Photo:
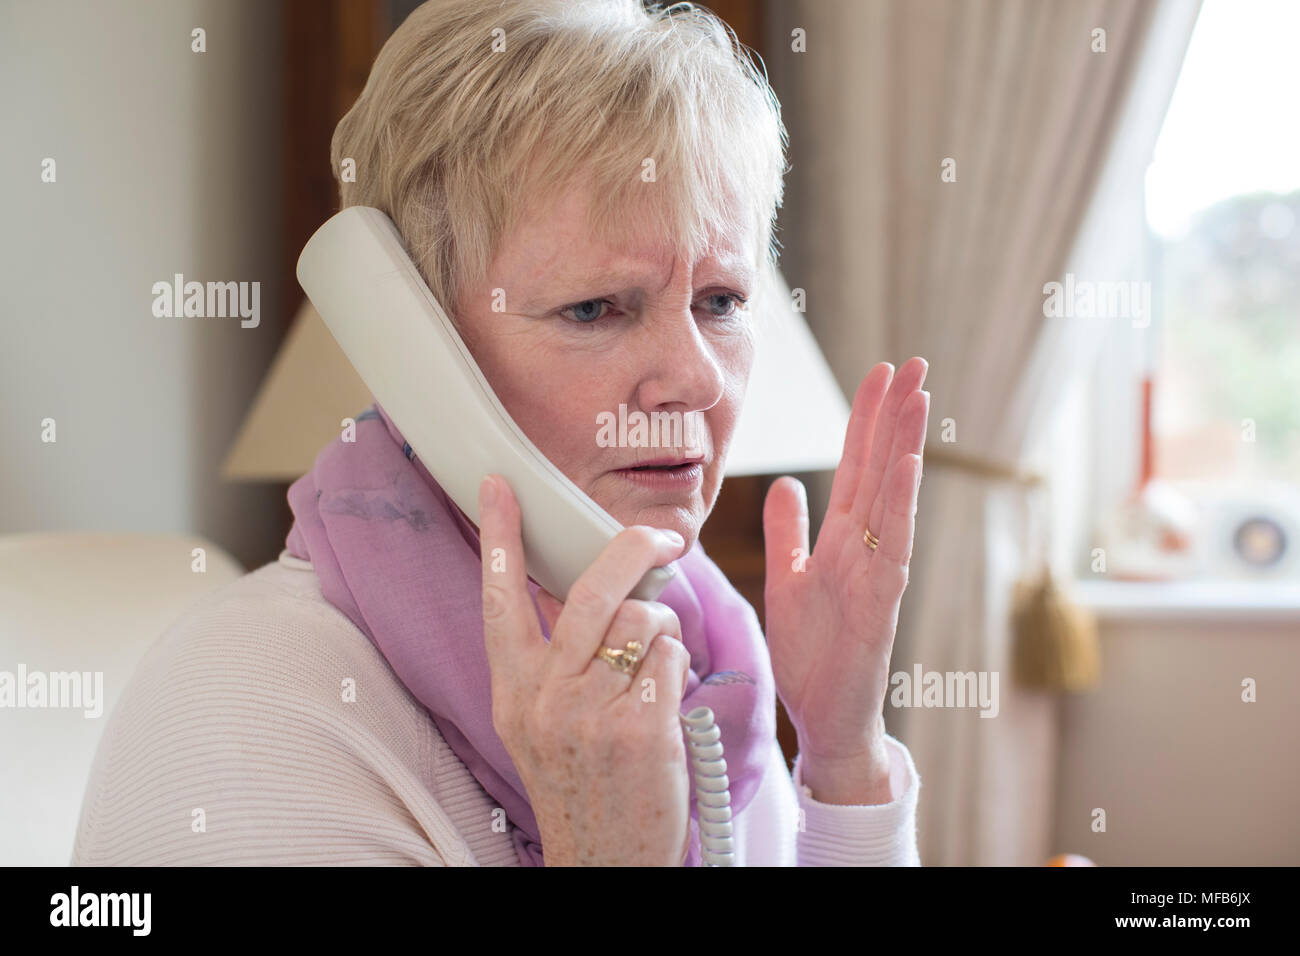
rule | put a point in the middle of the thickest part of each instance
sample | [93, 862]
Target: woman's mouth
[683, 475]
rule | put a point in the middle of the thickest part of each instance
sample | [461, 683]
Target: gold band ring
[625, 661]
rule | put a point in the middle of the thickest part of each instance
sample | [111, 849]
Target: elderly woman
[591, 189]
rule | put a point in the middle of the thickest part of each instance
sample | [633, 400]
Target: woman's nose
[681, 366]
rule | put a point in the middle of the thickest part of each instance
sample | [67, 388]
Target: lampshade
[793, 418]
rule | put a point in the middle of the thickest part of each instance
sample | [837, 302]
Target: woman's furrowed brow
[556, 286]
[609, 281]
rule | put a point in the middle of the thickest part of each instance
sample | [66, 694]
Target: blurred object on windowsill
[1153, 536]
[1244, 531]
[1252, 529]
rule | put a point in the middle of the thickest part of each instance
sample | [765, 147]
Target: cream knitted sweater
[264, 728]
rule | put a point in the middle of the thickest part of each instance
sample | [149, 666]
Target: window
[1223, 357]
[1200, 407]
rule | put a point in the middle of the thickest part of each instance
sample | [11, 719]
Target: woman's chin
[683, 511]
[667, 517]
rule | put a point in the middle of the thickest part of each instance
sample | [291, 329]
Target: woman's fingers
[857, 438]
[595, 597]
[510, 629]
[667, 665]
[909, 439]
[907, 381]
[550, 606]
[785, 528]
[888, 570]
[642, 621]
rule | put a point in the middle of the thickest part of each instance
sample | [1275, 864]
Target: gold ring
[870, 540]
[625, 661]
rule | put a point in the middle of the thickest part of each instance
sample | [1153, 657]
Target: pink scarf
[395, 554]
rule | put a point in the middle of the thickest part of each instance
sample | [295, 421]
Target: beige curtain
[898, 262]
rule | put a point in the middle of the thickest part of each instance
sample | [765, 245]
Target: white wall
[1187, 773]
[167, 161]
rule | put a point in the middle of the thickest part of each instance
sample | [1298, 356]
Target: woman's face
[566, 330]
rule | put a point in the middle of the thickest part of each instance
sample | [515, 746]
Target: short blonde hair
[450, 137]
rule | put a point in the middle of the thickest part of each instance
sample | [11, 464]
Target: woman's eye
[722, 305]
[728, 297]
[587, 311]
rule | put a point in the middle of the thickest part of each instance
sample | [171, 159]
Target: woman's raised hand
[832, 612]
[600, 752]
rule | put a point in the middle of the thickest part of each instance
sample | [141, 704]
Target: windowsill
[1128, 600]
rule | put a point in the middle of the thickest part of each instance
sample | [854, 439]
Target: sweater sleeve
[237, 742]
[882, 835]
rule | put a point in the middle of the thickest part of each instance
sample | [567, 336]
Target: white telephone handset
[402, 343]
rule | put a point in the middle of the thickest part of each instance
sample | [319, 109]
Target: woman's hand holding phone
[600, 752]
